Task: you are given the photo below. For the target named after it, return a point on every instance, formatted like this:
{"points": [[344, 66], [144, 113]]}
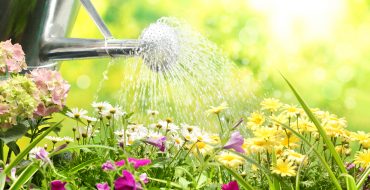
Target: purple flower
{"points": [[40, 154], [57, 185], [144, 178], [159, 142], [235, 142], [232, 185], [126, 182], [139, 162], [108, 166], [349, 166], [120, 163], [102, 186]]}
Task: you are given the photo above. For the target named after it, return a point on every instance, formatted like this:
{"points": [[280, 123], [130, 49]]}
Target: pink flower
{"points": [[12, 57], [53, 91], [139, 162], [235, 142], [232, 185], [136, 162], [108, 166], [57, 185], [120, 163], [159, 142], [102, 186], [125, 182], [40, 153], [144, 178]]}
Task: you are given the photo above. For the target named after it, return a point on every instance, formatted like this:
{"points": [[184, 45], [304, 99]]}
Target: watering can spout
{"points": [[42, 27], [76, 48]]}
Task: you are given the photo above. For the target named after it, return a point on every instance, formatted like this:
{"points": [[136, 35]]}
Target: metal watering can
{"points": [[42, 27]]}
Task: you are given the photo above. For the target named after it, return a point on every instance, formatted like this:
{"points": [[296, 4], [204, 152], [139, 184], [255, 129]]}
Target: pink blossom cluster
{"points": [[12, 59], [53, 91]]}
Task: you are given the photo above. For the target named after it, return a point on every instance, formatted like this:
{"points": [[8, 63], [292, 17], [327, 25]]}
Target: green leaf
{"points": [[82, 165], [80, 147], [351, 183], [239, 178], [173, 184], [24, 177], [13, 133], [14, 147], [2, 180], [28, 149], [184, 183]]}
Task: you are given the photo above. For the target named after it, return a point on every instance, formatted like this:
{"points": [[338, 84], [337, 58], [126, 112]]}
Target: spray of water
{"points": [[179, 73]]}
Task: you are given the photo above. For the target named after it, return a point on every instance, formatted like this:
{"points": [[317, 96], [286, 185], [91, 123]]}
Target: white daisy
{"points": [[76, 113]]}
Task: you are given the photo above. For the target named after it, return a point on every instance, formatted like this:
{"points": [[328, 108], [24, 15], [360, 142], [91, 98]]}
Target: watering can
{"points": [[42, 27]]}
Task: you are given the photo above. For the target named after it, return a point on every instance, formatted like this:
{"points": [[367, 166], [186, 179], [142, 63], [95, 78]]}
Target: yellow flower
{"points": [[230, 160], [290, 142], [344, 150], [295, 156], [256, 145], [284, 168], [362, 158], [362, 137], [218, 109], [271, 104], [291, 111], [202, 147], [255, 120], [265, 133]]}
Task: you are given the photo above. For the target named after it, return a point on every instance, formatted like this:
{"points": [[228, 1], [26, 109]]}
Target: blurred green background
{"points": [[322, 46]]}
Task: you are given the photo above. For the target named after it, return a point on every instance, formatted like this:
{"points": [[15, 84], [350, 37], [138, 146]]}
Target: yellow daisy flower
{"points": [[271, 104], [255, 120], [284, 168], [230, 160], [218, 109], [362, 158]]}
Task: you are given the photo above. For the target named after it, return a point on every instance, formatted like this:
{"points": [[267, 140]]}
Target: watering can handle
{"points": [[97, 19]]}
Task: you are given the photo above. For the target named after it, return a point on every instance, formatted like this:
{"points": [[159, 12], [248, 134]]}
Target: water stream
{"points": [[180, 74]]}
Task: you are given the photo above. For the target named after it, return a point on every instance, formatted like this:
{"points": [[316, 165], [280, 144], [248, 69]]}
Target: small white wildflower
{"points": [[68, 139], [76, 113], [54, 139]]}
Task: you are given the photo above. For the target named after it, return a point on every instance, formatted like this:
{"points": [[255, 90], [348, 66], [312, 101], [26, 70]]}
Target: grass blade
{"points": [[320, 129], [165, 182], [80, 147], [24, 177], [29, 148], [239, 178], [82, 165]]}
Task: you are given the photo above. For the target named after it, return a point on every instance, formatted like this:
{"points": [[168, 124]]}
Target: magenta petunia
{"points": [[235, 142], [232, 185], [139, 162], [158, 142], [125, 182], [57, 185], [120, 163], [136, 162], [102, 186]]}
